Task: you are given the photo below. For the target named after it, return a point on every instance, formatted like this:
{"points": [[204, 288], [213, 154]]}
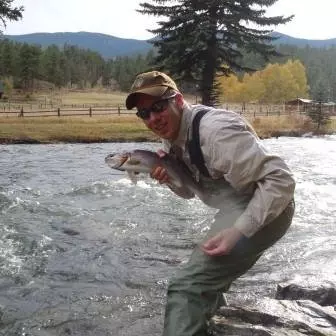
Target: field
{"points": [[69, 119]]}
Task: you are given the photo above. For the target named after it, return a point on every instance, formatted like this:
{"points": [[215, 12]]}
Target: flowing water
{"points": [[83, 251]]}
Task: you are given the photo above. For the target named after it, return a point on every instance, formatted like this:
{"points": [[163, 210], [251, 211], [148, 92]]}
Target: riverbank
{"points": [[126, 128]]}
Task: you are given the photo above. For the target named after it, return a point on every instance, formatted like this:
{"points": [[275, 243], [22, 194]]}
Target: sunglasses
{"points": [[157, 107]]}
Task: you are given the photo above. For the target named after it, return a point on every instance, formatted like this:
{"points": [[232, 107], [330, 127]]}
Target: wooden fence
{"points": [[66, 112], [248, 110]]}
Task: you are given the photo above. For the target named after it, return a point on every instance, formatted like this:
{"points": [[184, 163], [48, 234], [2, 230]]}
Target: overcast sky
{"points": [[313, 19]]}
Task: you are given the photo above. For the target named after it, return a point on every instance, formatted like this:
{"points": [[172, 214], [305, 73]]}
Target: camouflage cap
{"points": [[153, 83]]}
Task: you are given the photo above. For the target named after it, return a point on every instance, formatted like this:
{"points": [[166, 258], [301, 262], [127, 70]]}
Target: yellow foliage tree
{"points": [[298, 70], [275, 84], [279, 84], [253, 87], [230, 87]]}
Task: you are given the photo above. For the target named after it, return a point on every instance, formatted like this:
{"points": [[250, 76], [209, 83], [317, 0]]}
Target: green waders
{"points": [[195, 292]]}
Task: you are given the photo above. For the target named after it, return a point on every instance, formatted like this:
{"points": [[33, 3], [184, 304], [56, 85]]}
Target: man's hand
{"points": [[222, 243], [160, 173]]}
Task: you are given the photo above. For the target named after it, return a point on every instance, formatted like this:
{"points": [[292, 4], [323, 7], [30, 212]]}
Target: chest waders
{"points": [[197, 289]]}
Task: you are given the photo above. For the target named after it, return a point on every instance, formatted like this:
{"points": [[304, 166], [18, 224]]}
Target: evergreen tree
{"points": [[199, 36], [8, 12], [29, 60], [7, 53], [51, 67], [319, 115]]}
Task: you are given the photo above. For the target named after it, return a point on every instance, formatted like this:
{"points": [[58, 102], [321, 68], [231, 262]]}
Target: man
{"points": [[252, 189]]}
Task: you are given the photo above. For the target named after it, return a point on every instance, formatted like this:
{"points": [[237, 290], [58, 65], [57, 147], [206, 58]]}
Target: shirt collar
{"points": [[186, 119]]}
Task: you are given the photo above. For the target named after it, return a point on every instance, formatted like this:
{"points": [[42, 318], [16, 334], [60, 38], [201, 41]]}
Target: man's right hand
{"points": [[159, 173]]}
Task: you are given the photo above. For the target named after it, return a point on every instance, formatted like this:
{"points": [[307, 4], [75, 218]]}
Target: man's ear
{"points": [[179, 100]]}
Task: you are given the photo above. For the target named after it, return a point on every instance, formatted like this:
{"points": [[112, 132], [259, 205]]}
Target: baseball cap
{"points": [[153, 83]]}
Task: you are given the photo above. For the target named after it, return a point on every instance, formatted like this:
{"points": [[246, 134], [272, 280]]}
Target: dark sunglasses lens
{"points": [[143, 114], [157, 107]]}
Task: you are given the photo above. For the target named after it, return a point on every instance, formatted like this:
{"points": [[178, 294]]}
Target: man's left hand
{"points": [[222, 243]]}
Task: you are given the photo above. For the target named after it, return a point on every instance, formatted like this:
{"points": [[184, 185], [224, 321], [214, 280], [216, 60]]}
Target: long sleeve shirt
{"points": [[234, 154]]}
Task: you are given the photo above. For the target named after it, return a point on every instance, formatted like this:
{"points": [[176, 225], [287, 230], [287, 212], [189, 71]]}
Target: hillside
{"points": [[110, 46], [285, 39]]}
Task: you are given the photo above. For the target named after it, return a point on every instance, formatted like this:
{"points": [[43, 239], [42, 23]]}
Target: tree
{"points": [[298, 71], [198, 37], [50, 65], [279, 84], [29, 58], [8, 12], [316, 112], [274, 84]]}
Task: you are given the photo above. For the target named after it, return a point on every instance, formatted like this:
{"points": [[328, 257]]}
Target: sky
{"points": [[313, 19]]}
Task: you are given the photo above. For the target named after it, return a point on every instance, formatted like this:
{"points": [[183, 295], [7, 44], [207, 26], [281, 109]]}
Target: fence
{"points": [[248, 110], [66, 112]]}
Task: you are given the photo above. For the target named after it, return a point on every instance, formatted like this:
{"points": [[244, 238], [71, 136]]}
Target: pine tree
{"points": [[319, 115], [29, 57], [198, 37], [8, 12]]}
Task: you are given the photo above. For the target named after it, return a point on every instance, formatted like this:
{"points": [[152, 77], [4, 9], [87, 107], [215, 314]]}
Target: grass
{"points": [[96, 98], [124, 128], [73, 129], [292, 125], [114, 127], [61, 98]]}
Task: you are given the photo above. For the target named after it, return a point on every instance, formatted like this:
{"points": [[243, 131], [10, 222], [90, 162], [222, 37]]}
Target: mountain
{"points": [[286, 39], [110, 46]]}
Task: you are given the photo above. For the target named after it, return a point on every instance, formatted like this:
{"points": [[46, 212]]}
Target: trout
{"points": [[144, 161]]}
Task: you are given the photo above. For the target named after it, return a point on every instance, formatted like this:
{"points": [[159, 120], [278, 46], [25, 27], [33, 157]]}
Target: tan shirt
{"points": [[233, 152]]}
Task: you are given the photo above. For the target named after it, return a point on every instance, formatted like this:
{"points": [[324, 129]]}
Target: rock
{"points": [[271, 317], [70, 232], [322, 293]]}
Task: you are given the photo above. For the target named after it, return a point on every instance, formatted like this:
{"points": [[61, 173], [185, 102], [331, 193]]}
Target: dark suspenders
{"points": [[194, 146]]}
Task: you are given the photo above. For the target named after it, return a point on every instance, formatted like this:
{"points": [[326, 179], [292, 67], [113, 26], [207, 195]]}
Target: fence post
{"points": [[58, 111], [21, 112], [90, 111]]}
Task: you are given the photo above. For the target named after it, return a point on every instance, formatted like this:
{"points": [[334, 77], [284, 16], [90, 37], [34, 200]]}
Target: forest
{"points": [[299, 72]]}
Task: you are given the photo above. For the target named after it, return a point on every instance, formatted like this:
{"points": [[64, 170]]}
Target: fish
{"points": [[144, 161]]}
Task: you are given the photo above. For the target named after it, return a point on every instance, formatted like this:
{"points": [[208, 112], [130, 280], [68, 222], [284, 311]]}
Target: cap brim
{"points": [[156, 91]]}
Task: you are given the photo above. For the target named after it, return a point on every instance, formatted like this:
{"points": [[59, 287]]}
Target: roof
{"points": [[300, 100]]}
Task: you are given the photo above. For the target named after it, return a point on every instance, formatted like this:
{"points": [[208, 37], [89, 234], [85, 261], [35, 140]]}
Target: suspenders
{"points": [[194, 146]]}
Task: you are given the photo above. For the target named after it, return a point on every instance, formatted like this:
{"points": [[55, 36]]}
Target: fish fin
{"points": [[133, 176]]}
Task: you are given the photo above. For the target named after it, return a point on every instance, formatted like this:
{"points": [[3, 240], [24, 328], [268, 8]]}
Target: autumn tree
{"points": [[9, 12], [254, 87], [298, 71], [230, 89], [196, 38], [274, 84], [279, 84]]}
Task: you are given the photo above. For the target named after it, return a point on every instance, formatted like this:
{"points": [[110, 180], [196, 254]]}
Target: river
{"points": [[83, 251]]}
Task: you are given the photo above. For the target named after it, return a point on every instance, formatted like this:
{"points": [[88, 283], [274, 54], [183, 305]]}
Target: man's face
{"points": [[166, 123]]}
